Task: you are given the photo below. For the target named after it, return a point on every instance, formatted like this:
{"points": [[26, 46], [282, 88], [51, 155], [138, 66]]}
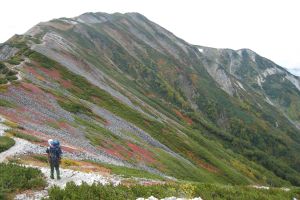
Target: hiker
{"points": [[54, 157]]}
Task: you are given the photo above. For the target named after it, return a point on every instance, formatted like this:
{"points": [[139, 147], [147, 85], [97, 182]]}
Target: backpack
{"points": [[55, 153], [55, 143]]}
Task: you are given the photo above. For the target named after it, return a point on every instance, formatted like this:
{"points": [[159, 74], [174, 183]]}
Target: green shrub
{"points": [[107, 192], [4, 70], [12, 78], [77, 108], [15, 60], [15, 178], [11, 73], [3, 81], [6, 143], [74, 107], [2, 65], [185, 190]]}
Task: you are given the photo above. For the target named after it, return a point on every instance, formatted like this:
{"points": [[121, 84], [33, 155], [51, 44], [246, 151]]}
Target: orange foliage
{"points": [[183, 117]]}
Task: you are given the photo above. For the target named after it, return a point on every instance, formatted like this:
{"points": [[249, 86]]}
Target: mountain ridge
{"points": [[124, 88]]}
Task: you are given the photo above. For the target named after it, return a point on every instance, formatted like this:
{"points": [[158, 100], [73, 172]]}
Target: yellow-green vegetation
{"points": [[185, 190], [128, 172], [24, 136], [12, 124], [68, 162], [5, 103], [6, 143], [15, 178], [41, 158]]}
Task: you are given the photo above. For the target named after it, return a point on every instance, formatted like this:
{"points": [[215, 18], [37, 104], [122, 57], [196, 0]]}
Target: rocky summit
{"points": [[120, 89]]}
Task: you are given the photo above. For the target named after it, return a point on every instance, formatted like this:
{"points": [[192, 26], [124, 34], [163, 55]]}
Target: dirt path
{"points": [[68, 175], [16, 149]]}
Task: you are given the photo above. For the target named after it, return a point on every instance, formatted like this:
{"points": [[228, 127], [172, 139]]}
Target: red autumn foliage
{"points": [[183, 117], [142, 154], [52, 73], [30, 87], [33, 71]]}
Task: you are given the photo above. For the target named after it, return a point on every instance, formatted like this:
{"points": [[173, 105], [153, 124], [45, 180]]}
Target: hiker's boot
{"points": [[52, 176]]}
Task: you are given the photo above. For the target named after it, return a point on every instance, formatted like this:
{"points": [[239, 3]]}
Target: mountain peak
{"points": [[100, 17], [126, 91]]}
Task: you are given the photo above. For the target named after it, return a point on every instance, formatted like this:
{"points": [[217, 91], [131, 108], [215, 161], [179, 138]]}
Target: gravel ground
{"points": [[3, 128]]}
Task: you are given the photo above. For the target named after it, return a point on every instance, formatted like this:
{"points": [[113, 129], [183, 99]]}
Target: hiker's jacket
{"points": [[54, 154]]}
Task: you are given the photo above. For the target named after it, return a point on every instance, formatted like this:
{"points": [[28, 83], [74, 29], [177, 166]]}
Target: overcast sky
{"points": [[271, 28]]}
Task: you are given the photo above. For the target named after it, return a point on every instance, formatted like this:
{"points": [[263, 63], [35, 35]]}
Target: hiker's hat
{"points": [[50, 141]]}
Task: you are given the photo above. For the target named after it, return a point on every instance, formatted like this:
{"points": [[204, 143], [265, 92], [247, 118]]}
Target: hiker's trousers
{"points": [[56, 167]]}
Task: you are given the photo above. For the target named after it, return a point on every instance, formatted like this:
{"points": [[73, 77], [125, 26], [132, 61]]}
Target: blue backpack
{"points": [[55, 151], [55, 143]]}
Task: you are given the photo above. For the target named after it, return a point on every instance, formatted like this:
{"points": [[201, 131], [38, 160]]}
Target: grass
{"points": [[8, 104], [128, 172], [6, 143], [15, 178], [12, 124], [41, 158], [78, 108], [19, 134], [184, 190], [74, 107]]}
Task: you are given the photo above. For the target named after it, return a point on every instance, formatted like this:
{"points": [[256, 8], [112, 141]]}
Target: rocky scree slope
{"points": [[120, 89]]}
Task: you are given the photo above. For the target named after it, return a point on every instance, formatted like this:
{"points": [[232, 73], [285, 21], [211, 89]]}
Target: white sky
{"points": [[269, 27]]}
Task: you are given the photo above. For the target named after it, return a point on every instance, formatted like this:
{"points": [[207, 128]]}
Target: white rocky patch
{"points": [[200, 50], [260, 80], [68, 175], [53, 38], [241, 85], [269, 101], [261, 187], [271, 71], [220, 76], [6, 52], [69, 21]]}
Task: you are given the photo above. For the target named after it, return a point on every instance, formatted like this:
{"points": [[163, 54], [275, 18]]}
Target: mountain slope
{"points": [[119, 88], [279, 87]]}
